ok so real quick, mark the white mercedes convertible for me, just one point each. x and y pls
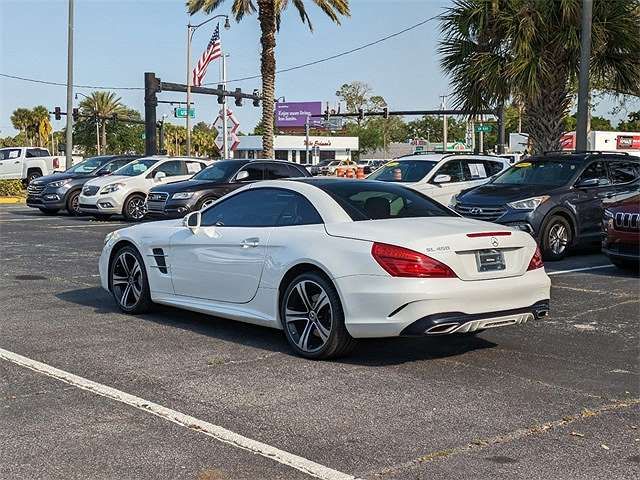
(329, 261)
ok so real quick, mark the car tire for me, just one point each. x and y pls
(128, 281)
(102, 217)
(31, 177)
(556, 238)
(73, 204)
(313, 319)
(205, 202)
(49, 211)
(134, 208)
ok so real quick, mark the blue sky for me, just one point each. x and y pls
(117, 41)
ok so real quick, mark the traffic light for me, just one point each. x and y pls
(75, 114)
(326, 113)
(220, 97)
(237, 94)
(57, 113)
(385, 112)
(114, 117)
(256, 101)
(361, 114)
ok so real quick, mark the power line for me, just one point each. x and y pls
(252, 77)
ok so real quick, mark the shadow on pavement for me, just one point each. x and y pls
(370, 352)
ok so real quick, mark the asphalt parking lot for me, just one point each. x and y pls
(557, 398)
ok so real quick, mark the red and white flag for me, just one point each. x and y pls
(213, 51)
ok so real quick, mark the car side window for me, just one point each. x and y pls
(255, 171)
(172, 168)
(475, 170)
(260, 207)
(595, 171)
(193, 167)
(454, 169)
(32, 152)
(624, 172)
(295, 171)
(274, 171)
(298, 211)
(492, 168)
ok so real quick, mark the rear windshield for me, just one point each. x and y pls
(539, 172)
(403, 171)
(376, 201)
(221, 171)
(89, 165)
(136, 168)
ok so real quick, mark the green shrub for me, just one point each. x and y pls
(11, 188)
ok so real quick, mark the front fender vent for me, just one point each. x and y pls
(161, 262)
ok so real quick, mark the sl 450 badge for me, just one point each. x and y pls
(443, 248)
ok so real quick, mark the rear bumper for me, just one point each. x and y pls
(385, 306)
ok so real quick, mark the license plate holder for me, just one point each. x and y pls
(490, 260)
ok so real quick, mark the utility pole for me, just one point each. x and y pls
(583, 79)
(306, 133)
(69, 144)
(445, 128)
(190, 31)
(481, 134)
(225, 139)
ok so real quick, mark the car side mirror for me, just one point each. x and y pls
(159, 176)
(590, 182)
(442, 178)
(243, 175)
(192, 221)
(102, 173)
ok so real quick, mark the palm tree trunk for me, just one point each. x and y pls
(544, 115)
(103, 136)
(267, 18)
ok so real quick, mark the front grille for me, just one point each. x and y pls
(88, 206)
(629, 222)
(90, 190)
(488, 214)
(158, 197)
(35, 188)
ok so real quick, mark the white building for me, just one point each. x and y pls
(293, 148)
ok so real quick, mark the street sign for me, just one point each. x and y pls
(484, 128)
(233, 127)
(181, 112)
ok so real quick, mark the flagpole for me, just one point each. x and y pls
(225, 142)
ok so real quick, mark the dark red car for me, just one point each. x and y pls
(621, 231)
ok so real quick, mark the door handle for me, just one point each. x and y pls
(250, 242)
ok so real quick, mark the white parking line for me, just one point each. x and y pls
(583, 269)
(219, 433)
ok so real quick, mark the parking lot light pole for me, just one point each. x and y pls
(69, 141)
(190, 31)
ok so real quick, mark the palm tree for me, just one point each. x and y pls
(269, 13)
(529, 50)
(22, 119)
(102, 104)
(40, 125)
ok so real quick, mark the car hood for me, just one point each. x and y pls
(499, 194)
(59, 176)
(627, 205)
(107, 179)
(188, 186)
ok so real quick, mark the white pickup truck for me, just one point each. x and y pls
(27, 163)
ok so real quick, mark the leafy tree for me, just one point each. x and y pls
(102, 104)
(529, 50)
(118, 136)
(269, 16)
(632, 124)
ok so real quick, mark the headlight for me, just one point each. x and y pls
(59, 183)
(528, 203)
(182, 195)
(112, 187)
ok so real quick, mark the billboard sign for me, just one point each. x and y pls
(628, 142)
(294, 114)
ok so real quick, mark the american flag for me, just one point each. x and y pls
(213, 51)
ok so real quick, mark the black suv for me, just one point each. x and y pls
(556, 197)
(62, 190)
(175, 200)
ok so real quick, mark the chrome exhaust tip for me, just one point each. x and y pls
(442, 328)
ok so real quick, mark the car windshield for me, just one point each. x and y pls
(137, 167)
(89, 165)
(538, 172)
(7, 153)
(403, 171)
(221, 171)
(364, 200)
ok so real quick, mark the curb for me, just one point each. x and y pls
(11, 200)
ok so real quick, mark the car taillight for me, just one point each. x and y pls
(402, 262)
(56, 163)
(536, 260)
